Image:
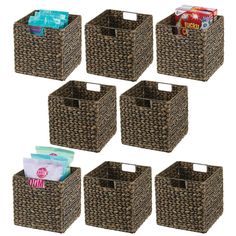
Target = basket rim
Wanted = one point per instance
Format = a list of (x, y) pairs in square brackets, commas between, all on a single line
[(118, 28), (87, 176), (84, 82), (153, 99), (18, 22), (160, 176)]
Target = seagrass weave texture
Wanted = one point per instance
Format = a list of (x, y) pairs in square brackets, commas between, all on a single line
[(81, 118), (188, 199), (53, 208), (152, 118), (195, 56), (116, 199), (54, 55), (117, 47)]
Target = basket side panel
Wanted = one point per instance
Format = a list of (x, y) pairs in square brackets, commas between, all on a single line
[(71, 198), (178, 122), (214, 48), (144, 127), (106, 207), (142, 199), (73, 127), (213, 202), (35, 208), (72, 46), (178, 55), (107, 118), (38, 56), (110, 56), (179, 207), (143, 50)]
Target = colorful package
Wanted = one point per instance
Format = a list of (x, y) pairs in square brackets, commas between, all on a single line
[(43, 169), (64, 161), (191, 17), (56, 152), (47, 19)]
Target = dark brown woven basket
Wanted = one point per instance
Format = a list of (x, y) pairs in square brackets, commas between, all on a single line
[(117, 199), (54, 55), (53, 208), (117, 47), (195, 56), (80, 118), (189, 199), (152, 118)]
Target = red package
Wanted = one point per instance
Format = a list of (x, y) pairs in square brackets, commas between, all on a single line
[(188, 17)]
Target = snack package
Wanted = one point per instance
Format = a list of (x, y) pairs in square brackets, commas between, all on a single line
[(47, 19), (189, 17), (56, 152), (43, 169), (64, 161)]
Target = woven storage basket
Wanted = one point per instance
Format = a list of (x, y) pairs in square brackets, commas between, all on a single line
[(117, 199), (152, 118), (81, 118), (54, 56), (53, 208), (187, 198), (117, 47), (195, 56)]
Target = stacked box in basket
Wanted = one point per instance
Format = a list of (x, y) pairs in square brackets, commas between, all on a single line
[(195, 56), (119, 47), (154, 118), (189, 199), (116, 198), (54, 55), (82, 118), (53, 208)]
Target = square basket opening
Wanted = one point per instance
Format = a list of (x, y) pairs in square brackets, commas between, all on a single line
[(117, 20), (112, 171), (150, 91), (186, 171), (74, 91)]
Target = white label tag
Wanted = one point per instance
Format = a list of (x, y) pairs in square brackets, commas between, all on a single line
[(130, 16), (200, 168), (94, 87), (165, 87), (129, 168)]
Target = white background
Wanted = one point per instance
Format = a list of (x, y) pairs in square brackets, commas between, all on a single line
[(24, 113)]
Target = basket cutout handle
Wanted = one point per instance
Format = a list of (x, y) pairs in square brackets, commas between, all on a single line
[(165, 87), (111, 32), (130, 16), (179, 31), (143, 102), (107, 183), (70, 102), (200, 168), (128, 168), (93, 87), (178, 183)]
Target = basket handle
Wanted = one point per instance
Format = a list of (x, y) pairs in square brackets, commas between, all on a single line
[(200, 168), (108, 31), (72, 102), (128, 168), (93, 87), (165, 87), (178, 183), (143, 102), (106, 183), (130, 16)]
